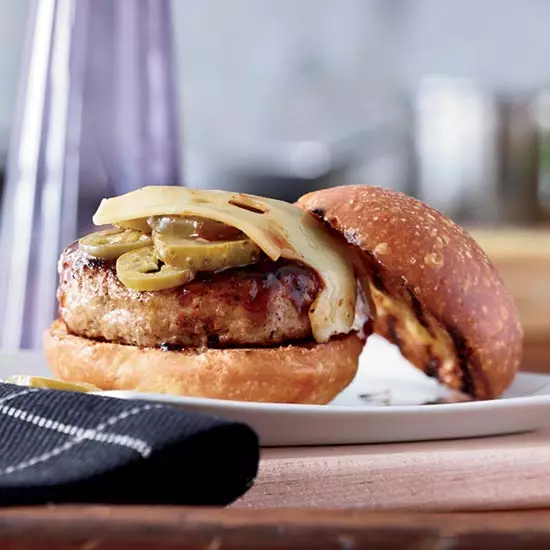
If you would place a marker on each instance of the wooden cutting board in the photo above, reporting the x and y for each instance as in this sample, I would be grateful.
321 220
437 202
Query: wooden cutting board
499 473
522 256
496 473
168 528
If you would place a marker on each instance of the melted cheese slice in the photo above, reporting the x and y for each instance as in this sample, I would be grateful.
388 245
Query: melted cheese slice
280 229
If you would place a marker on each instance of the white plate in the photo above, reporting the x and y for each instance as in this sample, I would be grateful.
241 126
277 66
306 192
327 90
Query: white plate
385 403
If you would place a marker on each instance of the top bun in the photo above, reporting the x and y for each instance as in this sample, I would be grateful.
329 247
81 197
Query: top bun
437 295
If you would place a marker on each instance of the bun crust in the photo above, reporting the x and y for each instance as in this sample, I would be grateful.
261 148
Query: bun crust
437 295
309 373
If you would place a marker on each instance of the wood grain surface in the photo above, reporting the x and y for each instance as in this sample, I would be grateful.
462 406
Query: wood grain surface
536 355
139 528
522 255
499 473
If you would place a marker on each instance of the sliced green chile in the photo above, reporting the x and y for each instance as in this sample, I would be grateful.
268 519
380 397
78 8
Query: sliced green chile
188 227
142 270
202 255
109 244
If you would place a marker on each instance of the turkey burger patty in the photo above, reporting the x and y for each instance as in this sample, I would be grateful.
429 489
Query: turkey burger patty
264 304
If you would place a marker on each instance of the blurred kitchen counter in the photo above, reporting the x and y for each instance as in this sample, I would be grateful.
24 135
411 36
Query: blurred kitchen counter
522 256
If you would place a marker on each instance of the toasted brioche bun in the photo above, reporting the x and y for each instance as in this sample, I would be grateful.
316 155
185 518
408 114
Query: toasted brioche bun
309 373
437 295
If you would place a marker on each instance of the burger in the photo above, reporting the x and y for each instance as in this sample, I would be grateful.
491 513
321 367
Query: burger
234 296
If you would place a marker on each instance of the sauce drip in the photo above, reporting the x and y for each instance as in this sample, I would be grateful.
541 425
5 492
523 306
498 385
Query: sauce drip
253 285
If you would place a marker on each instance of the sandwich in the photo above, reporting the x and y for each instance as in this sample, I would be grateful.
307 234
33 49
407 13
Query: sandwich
211 294
233 296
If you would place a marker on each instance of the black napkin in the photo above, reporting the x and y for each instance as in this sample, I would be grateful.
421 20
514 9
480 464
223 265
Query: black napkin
61 447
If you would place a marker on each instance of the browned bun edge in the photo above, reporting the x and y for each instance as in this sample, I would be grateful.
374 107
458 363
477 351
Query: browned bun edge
436 293
309 373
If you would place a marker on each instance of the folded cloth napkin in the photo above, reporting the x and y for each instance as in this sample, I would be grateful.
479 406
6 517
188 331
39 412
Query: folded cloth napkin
60 447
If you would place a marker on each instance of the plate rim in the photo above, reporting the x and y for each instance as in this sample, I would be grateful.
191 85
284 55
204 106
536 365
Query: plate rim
285 408
328 409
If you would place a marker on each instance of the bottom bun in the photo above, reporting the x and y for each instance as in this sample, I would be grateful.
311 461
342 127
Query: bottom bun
307 373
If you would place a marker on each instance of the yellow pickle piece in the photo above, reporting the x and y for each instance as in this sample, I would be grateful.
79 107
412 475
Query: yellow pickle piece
49 383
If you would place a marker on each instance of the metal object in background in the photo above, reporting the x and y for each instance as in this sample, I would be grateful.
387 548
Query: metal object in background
542 116
96 116
454 127
481 157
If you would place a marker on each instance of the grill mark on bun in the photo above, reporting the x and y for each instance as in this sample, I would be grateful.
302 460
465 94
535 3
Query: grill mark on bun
463 354
319 213
418 310
393 332
375 271
432 367
368 326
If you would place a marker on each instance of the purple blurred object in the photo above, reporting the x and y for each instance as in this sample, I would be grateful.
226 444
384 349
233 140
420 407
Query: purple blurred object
96 116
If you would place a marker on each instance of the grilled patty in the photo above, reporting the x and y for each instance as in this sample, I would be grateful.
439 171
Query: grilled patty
261 305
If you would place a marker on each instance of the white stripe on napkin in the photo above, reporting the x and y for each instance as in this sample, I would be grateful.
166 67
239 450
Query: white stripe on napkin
79 434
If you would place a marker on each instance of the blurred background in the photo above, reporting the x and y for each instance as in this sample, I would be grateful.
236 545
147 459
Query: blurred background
447 101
